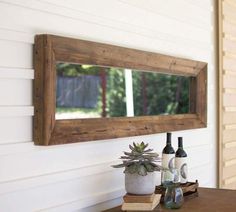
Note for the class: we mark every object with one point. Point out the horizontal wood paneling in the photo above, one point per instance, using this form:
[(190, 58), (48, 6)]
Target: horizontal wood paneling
[(192, 16), (88, 11), (229, 99), (58, 177), (15, 92), (117, 31), (229, 46), (229, 118), (229, 28), (14, 35), (16, 73), (202, 137), (229, 64), (15, 129), (82, 183), (202, 4), (230, 184), (101, 206), (79, 157), (229, 109), (84, 189), (15, 54), (15, 111), (229, 171), (229, 81), (227, 92), (230, 162), (13, 148), (229, 135), (229, 153), (62, 178), (82, 174), (230, 144), (80, 187), (229, 9)]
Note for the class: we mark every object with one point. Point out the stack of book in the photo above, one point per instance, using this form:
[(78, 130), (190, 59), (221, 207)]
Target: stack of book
[(140, 202)]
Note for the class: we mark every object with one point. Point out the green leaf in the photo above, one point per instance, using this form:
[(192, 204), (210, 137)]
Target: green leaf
[(148, 150), (125, 157), (142, 170), (145, 146), (139, 160), (133, 168), (118, 166), (149, 167), (158, 168), (132, 148)]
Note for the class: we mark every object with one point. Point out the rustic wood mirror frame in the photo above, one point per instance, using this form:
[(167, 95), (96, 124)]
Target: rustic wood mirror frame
[(50, 49)]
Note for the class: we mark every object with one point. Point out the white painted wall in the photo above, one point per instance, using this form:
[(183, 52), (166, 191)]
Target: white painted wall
[(78, 176)]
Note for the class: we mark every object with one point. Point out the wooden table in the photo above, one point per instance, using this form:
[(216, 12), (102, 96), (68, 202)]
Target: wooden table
[(209, 200)]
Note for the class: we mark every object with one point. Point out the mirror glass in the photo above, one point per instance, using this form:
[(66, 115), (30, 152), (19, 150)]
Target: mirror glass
[(88, 91)]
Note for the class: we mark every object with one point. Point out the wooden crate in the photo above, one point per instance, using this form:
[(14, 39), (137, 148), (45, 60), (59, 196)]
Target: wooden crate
[(190, 190)]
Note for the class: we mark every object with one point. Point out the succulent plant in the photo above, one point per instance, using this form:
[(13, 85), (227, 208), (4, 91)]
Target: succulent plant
[(140, 160)]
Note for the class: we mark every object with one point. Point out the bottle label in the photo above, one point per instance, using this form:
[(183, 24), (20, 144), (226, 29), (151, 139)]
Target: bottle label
[(167, 163), (181, 165)]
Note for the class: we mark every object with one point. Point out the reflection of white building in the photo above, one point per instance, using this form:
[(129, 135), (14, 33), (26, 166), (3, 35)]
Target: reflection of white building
[(129, 92)]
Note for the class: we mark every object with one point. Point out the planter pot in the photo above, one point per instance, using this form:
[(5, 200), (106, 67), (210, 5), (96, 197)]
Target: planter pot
[(140, 185)]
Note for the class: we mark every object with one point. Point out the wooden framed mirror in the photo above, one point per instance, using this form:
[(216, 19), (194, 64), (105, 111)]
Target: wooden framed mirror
[(60, 62)]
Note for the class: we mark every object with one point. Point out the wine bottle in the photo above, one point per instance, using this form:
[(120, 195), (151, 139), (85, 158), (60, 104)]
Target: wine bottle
[(181, 162), (168, 156)]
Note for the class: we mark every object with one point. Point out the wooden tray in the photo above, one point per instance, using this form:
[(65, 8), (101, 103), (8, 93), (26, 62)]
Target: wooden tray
[(189, 190)]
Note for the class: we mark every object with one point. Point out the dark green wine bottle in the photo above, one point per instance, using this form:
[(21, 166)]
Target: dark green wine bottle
[(181, 161), (168, 149), (168, 154), (168, 157), (180, 151)]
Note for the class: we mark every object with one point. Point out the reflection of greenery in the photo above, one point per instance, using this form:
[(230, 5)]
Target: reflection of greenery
[(60, 110), (164, 94), (75, 70), (116, 105)]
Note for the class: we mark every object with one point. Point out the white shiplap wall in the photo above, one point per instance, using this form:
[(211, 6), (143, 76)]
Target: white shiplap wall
[(78, 176)]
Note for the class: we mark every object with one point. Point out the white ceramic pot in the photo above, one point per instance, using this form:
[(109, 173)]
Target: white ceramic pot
[(141, 185)]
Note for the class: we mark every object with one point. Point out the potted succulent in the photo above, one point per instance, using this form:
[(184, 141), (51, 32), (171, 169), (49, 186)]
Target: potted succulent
[(139, 165)]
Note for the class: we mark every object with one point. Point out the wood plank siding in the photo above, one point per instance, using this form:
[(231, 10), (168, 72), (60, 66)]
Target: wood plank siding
[(227, 94)]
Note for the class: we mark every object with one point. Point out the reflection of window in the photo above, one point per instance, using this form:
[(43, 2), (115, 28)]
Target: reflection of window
[(86, 91)]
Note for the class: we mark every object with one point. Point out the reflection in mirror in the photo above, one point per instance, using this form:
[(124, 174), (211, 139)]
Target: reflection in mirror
[(88, 91)]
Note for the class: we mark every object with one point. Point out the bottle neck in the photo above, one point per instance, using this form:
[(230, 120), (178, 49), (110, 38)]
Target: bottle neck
[(168, 139), (168, 149), (180, 142)]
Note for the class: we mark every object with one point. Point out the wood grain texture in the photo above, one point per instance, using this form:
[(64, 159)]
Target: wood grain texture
[(70, 131), (227, 93), (50, 49), (222, 66), (44, 90), (87, 52), (222, 199)]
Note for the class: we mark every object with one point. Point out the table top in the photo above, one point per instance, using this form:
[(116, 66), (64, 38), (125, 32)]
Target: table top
[(209, 199)]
